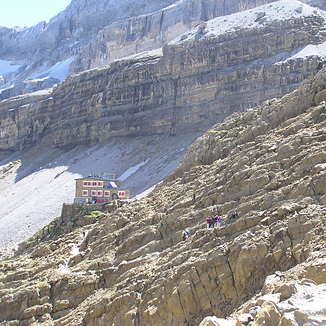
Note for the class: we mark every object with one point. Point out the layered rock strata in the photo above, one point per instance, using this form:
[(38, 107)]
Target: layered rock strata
[(27, 87), (133, 268), (90, 34), (194, 84), (95, 33), (153, 30), (71, 31)]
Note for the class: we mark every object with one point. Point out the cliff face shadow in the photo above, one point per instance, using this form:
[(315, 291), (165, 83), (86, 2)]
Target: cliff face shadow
[(161, 153)]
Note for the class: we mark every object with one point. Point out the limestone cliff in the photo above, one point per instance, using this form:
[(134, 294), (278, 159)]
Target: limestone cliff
[(133, 268), (154, 30), (72, 30), (90, 34), (93, 33), (198, 80)]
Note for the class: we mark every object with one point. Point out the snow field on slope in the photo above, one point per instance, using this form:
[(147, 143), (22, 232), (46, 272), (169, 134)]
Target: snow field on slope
[(7, 67), (310, 301), (132, 170), (276, 11), (58, 71), (311, 50)]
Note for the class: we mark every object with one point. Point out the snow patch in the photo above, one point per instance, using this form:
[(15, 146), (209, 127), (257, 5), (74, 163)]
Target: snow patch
[(255, 18), (64, 268), (132, 170), (59, 71), (173, 5), (75, 251), (309, 301), (145, 54), (39, 93), (7, 67), (144, 193), (310, 50), (36, 80), (4, 88)]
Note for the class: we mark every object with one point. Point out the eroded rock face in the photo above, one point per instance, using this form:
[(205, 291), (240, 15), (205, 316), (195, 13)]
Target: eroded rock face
[(133, 268), (193, 85), (153, 30), (72, 30), (94, 33), (77, 24)]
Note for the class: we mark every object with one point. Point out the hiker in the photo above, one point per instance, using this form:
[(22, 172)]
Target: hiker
[(233, 216), (185, 234), (209, 222), (218, 220), (215, 220)]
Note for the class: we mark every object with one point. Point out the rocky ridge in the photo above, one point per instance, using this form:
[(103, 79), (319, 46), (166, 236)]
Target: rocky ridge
[(193, 84), (132, 267)]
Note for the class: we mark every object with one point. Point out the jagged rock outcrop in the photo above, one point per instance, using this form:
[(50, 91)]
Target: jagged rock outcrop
[(194, 84), (133, 268)]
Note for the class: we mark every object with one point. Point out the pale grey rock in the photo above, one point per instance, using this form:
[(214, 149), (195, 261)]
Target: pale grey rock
[(94, 33)]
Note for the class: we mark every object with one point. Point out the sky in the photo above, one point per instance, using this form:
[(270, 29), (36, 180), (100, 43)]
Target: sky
[(29, 12)]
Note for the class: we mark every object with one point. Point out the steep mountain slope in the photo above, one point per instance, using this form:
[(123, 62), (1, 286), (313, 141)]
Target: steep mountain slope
[(132, 267), (230, 64), (90, 34)]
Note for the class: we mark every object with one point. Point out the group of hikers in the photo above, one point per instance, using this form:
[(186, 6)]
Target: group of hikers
[(218, 220), (212, 221)]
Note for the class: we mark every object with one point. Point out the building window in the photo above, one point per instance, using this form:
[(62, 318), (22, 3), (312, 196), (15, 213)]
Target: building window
[(94, 184), (93, 192), (85, 193), (122, 194), (106, 193), (100, 183), (85, 183), (100, 193)]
